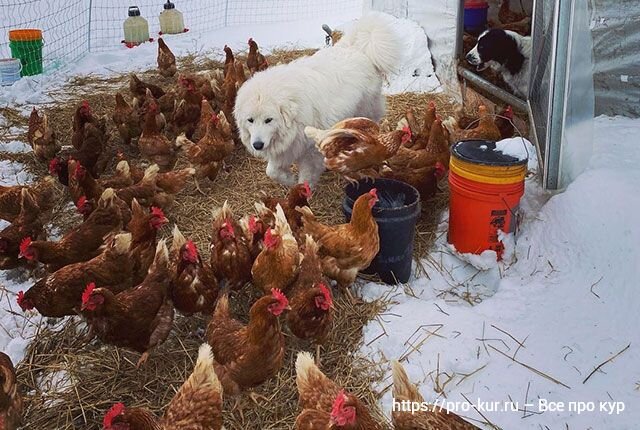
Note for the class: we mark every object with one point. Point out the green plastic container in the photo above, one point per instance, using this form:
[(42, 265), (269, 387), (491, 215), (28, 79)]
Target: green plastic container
[(26, 45)]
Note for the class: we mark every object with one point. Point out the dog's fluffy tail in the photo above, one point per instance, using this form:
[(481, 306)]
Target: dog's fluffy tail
[(374, 34)]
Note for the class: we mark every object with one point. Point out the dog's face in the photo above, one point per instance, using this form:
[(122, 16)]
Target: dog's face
[(493, 45), (262, 127), (262, 121)]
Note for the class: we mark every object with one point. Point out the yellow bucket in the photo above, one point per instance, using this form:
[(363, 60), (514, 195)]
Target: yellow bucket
[(471, 162)]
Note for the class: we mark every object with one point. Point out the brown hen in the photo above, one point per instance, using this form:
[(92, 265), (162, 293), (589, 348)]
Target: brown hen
[(127, 120), (312, 309), (436, 418), (41, 136), (277, 264), (59, 293), (247, 355), (196, 406), (256, 62), (139, 318), (166, 60), (11, 197), (230, 256), (346, 249), (194, 287), (10, 398), (325, 405), (81, 243), (154, 145), (28, 224), (355, 147)]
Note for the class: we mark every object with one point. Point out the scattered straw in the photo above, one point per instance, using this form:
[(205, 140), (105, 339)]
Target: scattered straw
[(91, 377)]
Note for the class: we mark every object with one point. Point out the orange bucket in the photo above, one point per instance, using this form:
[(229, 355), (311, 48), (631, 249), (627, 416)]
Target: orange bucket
[(485, 190), (25, 35)]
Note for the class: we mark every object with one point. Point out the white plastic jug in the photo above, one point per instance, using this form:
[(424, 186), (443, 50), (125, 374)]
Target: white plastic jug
[(171, 20), (9, 71), (136, 28)]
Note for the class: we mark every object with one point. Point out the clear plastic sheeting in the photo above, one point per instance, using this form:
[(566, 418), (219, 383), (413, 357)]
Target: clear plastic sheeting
[(577, 131), (615, 27)]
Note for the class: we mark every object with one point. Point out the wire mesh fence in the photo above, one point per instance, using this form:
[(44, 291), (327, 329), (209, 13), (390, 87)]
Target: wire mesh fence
[(64, 26), (72, 28)]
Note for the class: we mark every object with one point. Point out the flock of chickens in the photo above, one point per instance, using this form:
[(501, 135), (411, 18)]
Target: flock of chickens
[(416, 152), (127, 284)]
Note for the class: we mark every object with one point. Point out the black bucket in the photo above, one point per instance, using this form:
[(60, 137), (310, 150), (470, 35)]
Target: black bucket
[(396, 213)]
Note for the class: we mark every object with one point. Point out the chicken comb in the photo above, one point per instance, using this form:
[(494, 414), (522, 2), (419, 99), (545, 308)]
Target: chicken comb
[(279, 296), (508, 112), (228, 225), (407, 130), (250, 40), (252, 223), (20, 298), (24, 244), (269, 239), (374, 192), (115, 410), (191, 248), (338, 404), (214, 118), (440, 170), (79, 170), (87, 292), (85, 104), (307, 189), (53, 165), (326, 292), (81, 202), (432, 104), (157, 212)]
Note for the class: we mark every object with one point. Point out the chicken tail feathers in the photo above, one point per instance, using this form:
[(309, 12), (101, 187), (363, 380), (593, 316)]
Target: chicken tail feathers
[(178, 240), (183, 141), (315, 133), (282, 225), (203, 372), (122, 243), (403, 389)]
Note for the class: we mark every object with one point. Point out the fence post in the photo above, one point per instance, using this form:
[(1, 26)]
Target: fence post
[(226, 12), (89, 27)]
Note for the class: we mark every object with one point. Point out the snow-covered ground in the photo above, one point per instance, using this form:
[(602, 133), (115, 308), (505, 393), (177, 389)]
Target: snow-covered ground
[(566, 304)]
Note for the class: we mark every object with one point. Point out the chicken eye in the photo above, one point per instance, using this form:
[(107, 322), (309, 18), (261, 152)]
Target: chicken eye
[(250, 120), (268, 120)]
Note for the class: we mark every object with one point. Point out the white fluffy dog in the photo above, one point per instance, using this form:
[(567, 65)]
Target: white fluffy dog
[(273, 108)]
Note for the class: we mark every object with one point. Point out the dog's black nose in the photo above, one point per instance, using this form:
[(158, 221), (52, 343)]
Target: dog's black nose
[(258, 145)]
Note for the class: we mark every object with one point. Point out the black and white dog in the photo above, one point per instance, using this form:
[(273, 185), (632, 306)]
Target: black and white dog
[(506, 52)]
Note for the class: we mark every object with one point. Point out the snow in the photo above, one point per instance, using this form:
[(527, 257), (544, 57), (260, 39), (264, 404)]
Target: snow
[(570, 298), (516, 147), (14, 147), (13, 173)]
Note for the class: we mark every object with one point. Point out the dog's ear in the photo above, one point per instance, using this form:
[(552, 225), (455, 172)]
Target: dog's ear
[(288, 111)]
